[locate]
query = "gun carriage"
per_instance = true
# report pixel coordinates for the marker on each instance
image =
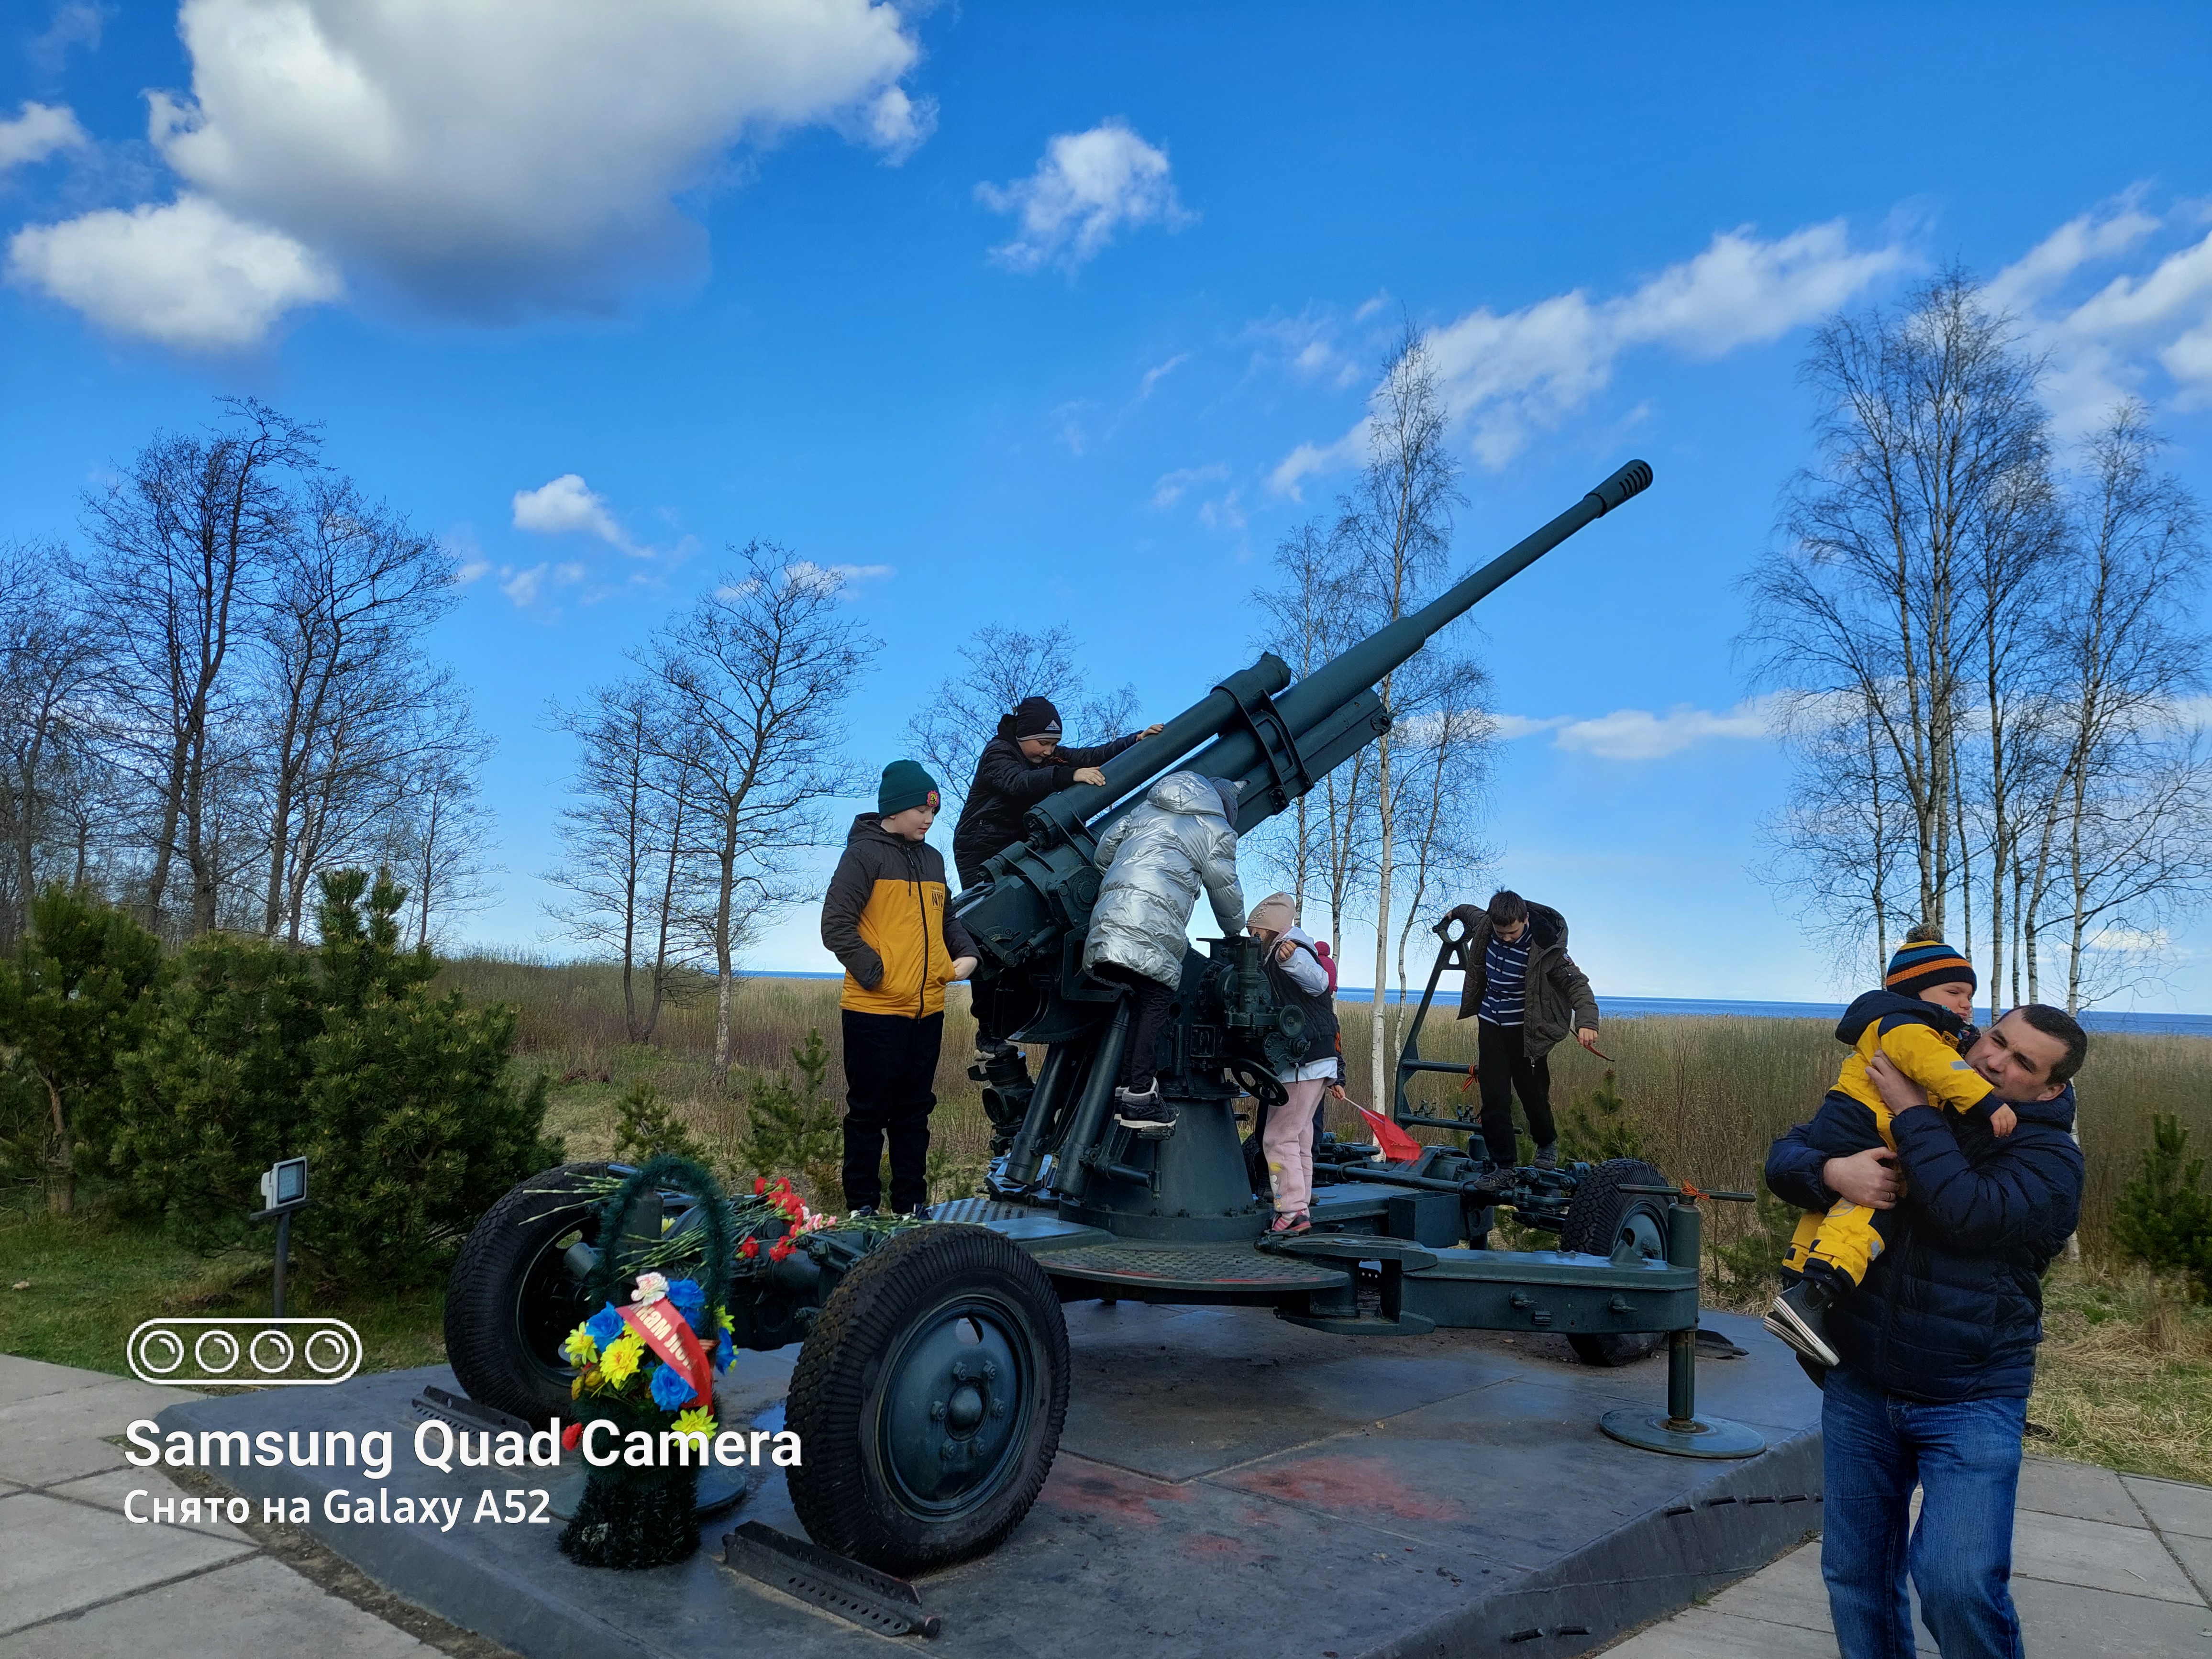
(933, 1372)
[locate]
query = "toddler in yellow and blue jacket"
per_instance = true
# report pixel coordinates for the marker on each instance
(1918, 1019)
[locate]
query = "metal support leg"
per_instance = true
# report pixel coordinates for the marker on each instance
(1679, 1430)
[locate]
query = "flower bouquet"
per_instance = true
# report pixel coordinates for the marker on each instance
(644, 1367)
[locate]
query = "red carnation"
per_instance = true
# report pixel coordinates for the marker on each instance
(780, 1249)
(570, 1436)
(760, 1185)
(749, 1248)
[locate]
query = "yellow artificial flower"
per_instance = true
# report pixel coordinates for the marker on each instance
(695, 1421)
(580, 1347)
(728, 1323)
(621, 1360)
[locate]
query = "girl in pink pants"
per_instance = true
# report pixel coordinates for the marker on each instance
(1298, 979)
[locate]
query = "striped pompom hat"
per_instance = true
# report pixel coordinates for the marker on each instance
(1920, 963)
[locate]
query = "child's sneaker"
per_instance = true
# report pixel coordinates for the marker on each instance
(1800, 1317)
(1146, 1113)
(1286, 1225)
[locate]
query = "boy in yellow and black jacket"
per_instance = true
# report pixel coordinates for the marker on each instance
(1918, 1021)
(885, 917)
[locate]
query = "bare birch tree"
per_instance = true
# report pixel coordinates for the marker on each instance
(1004, 666)
(627, 859)
(1306, 613)
(1930, 429)
(2122, 830)
(1395, 528)
(52, 657)
(1445, 742)
(759, 673)
(188, 544)
(354, 590)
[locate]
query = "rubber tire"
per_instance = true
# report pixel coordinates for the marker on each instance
(842, 1496)
(1594, 1219)
(485, 1321)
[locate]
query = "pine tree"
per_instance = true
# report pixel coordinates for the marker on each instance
(2164, 1217)
(644, 1125)
(75, 997)
(1599, 1128)
(796, 1132)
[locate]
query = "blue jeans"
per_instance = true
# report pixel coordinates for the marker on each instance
(1965, 1460)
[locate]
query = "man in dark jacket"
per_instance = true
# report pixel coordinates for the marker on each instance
(1525, 993)
(885, 918)
(1938, 1343)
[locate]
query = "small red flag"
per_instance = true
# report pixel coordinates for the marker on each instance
(1397, 1146)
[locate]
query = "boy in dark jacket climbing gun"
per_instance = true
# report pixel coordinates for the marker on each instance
(1919, 1020)
(884, 918)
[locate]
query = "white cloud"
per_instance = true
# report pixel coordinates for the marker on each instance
(1508, 376)
(1159, 372)
(1224, 513)
(472, 570)
(2123, 940)
(1172, 486)
(487, 160)
(568, 506)
(76, 23)
(522, 585)
(188, 275)
(40, 131)
(832, 578)
(2101, 348)
(1087, 186)
(1636, 734)
(1511, 726)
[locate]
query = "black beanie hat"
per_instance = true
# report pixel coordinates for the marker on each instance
(1036, 717)
(905, 784)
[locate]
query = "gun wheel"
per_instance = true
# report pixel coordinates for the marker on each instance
(1600, 1217)
(928, 1400)
(511, 1300)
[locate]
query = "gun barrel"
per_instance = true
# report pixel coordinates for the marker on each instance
(1375, 657)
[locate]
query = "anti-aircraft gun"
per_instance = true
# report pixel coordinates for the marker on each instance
(931, 1386)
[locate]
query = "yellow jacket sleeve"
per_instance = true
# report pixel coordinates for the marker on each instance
(1923, 1054)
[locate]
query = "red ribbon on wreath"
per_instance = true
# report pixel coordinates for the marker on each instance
(666, 1332)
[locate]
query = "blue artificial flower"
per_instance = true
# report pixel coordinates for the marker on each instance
(687, 1299)
(605, 1325)
(670, 1391)
(725, 1352)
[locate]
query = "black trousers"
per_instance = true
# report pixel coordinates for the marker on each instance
(1149, 1001)
(890, 1073)
(1506, 1069)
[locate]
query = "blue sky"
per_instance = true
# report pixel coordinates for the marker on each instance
(1040, 315)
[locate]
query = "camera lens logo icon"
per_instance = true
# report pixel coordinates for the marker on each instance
(262, 1353)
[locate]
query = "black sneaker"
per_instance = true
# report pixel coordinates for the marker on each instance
(1547, 1157)
(1146, 1113)
(860, 1212)
(920, 1213)
(1800, 1317)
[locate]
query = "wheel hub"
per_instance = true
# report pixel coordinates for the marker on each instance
(952, 1408)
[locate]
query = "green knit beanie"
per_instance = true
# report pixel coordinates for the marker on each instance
(904, 785)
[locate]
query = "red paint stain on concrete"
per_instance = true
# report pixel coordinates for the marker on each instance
(1370, 1486)
(1091, 1489)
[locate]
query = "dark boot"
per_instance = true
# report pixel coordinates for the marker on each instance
(1800, 1317)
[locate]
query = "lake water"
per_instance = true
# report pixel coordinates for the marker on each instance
(2096, 1020)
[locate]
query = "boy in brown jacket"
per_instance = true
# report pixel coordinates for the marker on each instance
(885, 918)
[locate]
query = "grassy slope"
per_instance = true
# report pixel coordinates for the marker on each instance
(2126, 1374)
